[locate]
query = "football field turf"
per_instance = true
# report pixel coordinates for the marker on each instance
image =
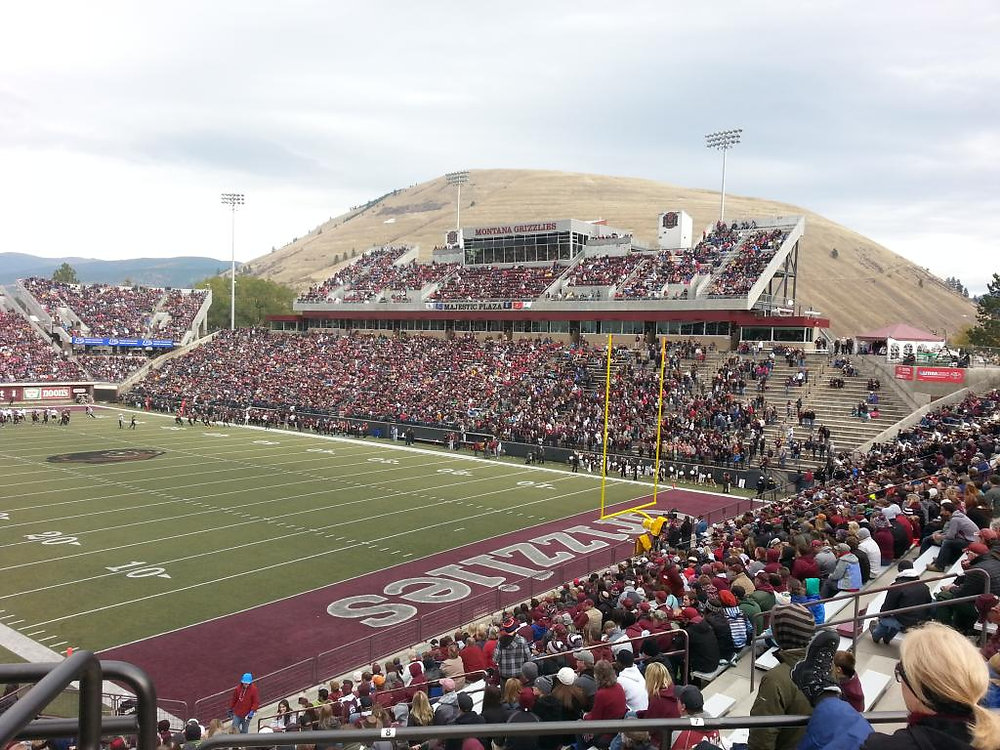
(219, 519)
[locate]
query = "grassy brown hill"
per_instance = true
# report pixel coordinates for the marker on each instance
(865, 286)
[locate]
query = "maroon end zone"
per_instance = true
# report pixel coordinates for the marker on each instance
(323, 633)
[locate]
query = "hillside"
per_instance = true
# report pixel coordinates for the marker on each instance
(865, 287)
(180, 272)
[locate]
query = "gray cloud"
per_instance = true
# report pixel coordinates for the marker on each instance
(871, 112)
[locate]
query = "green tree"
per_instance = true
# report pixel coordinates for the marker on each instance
(256, 298)
(986, 332)
(66, 274)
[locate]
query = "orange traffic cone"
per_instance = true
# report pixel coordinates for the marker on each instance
(69, 651)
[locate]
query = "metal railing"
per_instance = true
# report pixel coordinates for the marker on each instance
(418, 735)
(52, 678)
(685, 652)
(857, 618)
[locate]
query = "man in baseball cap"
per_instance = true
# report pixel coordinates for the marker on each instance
(244, 704)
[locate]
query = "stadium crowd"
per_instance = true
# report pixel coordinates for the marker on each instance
(363, 273)
(663, 269)
(491, 283)
(753, 255)
(529, 391)
(604, 270)
(27, 358)
(111, 368)
(611, 645)
(106, 311)
(182, 308)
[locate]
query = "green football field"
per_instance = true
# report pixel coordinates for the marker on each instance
(93, 555)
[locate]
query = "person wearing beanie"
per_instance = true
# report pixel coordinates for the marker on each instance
(243, 704)
(703, 645)
(750, 608)
(740, 628)
(801, 595)
(792, 627)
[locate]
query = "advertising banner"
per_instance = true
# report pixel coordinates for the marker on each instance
(107, 341)
(904, 372)
(498, 305)
(47, 393)
(951, 375)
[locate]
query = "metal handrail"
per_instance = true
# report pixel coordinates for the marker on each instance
(53, 677)
(418, 735)
(857, 618)
(686, 651)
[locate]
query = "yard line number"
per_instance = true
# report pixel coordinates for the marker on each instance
(132, 570)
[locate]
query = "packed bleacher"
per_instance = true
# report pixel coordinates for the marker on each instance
(535, 392)
(367, 272)
(27, 358)
(754, 253)
(497, 283)
(182, 307)
(111, 368)
(665, 268)
(611, 645)
(604, 270)
(106, 311)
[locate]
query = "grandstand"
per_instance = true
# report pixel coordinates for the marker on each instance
(117, 316)
(749, 391)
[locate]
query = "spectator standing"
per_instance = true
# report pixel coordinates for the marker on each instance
(511, 650)
(243, 704)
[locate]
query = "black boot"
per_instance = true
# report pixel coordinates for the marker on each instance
(814, 674)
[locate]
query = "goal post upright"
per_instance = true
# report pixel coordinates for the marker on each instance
(604, 453)
(604, 442)
(659, 419)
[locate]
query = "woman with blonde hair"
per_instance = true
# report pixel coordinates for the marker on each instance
(663, 703)
(511, 694)
(421, 713)
(943, 678)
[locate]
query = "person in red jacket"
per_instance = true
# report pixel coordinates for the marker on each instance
(244, 704)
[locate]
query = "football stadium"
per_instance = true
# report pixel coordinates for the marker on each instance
(506, 476)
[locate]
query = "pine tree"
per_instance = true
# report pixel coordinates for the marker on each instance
(987, 329)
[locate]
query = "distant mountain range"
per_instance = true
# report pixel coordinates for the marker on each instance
(181, 272)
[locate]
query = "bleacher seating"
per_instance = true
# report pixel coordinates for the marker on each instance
(182, 306)
(497, 283)
(106, 311)
(27, 358)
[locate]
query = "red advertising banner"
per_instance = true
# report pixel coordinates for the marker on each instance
(950, 375)
(904, 372)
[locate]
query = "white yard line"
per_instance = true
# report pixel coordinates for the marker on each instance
(292, 562)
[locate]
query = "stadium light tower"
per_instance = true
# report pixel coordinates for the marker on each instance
(458, 179)
(234, 201)
(723, 140)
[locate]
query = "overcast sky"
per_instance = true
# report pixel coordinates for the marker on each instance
(121, 122)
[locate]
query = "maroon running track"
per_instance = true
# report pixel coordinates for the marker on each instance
(377, 614)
